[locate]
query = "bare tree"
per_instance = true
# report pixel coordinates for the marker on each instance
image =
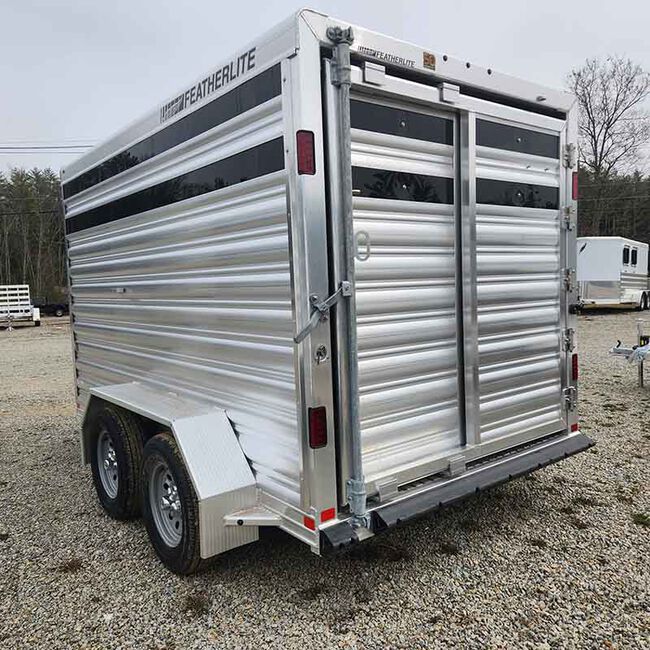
(613, 123)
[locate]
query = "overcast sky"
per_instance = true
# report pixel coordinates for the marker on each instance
(78, 70)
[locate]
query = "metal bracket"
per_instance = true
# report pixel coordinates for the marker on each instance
(320, 310)
(570, 155)
(374, 74)
(570, 279)
(570, 397)
(456, 466)
(257, 516)
(569, 339)
(449, 93)
(569, 220)
(387, 488)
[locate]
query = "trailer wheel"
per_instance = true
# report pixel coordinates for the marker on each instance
(116, 459)
(37, 323)
(58, 312)
(169, 506)
(644, 302)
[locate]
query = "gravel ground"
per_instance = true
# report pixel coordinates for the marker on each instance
(560, 559)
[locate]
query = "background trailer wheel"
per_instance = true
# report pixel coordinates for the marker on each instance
(170, 507)
(115, 444)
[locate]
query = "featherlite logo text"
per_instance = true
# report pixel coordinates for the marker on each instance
(221, 77)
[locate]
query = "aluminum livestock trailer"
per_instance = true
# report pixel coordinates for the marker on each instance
(613, 272)
(327, 287)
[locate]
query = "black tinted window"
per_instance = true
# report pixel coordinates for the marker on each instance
(395, 121)
(513, 138)
(634, 254)
(386, 184)
(626, 254)
(252, 163)
(251, 93)
(516, 194)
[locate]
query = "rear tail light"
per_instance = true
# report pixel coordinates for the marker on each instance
(309, 522)
(574, 186)
(305, 152)
(328, 514)
(317, 427)
(574, 367)
(575, 427)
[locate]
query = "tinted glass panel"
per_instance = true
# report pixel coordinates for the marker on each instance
(395, 121)
(384, 184)
(516, 194)
(512, 138)
(253, 92)
(258, 161)
(634, 255)
(626, 255)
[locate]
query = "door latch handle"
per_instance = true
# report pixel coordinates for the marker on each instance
(320, 309)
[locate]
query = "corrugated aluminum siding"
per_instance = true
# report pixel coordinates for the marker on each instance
(518, 288)
(406, 311)
(195, 296)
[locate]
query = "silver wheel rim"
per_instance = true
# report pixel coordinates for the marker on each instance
(107, 462)
(165, 504)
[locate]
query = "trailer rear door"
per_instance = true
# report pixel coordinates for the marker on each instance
(459, 283)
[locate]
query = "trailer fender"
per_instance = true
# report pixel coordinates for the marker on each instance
(220, 473)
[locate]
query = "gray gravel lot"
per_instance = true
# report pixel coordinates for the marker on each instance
(560, 559)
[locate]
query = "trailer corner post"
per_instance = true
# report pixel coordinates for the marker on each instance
(356, 484)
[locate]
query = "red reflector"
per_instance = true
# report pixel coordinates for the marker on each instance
(305, 152)
(328, 514)
(574, 367)
(574, 186)
(575, 427)
(317, 427)
(309, 522)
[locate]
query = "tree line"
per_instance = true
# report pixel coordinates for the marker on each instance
(32, 246)
(614, 135)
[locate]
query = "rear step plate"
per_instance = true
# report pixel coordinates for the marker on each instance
(475, 480)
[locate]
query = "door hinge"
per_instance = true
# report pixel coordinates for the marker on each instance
(570, 155)
(341, 70)
(569, 339)
(570, 397)
(570, 279)
(569, 218)
(320, 309)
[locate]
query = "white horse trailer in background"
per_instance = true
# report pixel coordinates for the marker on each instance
(328, 287)
(16, 306)
(613, 272)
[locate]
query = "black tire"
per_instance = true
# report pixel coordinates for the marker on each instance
(37, 323)
(184, 557)
(126, 436)
(58, 312)
(644, 302)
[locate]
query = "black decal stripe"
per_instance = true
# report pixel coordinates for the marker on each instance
(513, 138)
(396, 121)
(252, 163)
(386, 184)
(248, 95)
(520, 195)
